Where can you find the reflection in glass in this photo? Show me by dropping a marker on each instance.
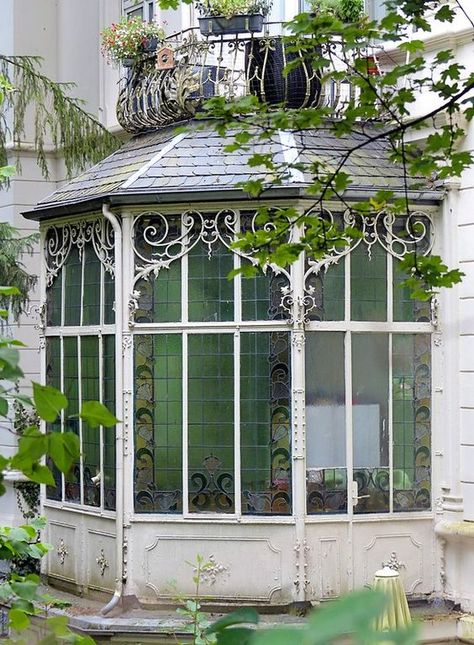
(325, 423)
(210, 292)
(73, 290)
(405, 309)
(369, 283)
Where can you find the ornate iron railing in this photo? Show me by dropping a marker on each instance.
(171, 85)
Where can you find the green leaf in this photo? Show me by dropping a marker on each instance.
(17, 619)
(9, 291)
(246, 615)
(96, 414)
(48, 401)
(236, 636)
(3, 407)
(41, 475)
(64, 449)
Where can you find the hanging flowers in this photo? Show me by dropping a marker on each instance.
(126, 41)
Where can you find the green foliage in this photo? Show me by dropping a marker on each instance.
(345, 10)
(96, 414)
(229, 8)
(126, 38)
(352, 616)
(58, 118)
(12, 269)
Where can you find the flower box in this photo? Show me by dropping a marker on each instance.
(239, 24)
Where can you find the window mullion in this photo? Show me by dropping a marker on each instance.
(83, 262)
(184, 279)
(349, 437)
(347, 288)
(61, 354)
(185, 425)
(101, 428)
(389, 288)
(237, 469)
(238, 282)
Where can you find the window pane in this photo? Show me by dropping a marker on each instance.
(211, 423)
(411, 422)
(405, 309)
(54, 302)
(370, 372)
(71, 390)
(325, 423)
(369, 283)
(72, 291)
(327, 289)
(90, 436)
(92, 279)
(211, 294)
(261, 296)
(109, 298)
(108, 397)
(159, 424)
(265, 423)
(53, 378)
(160, 296)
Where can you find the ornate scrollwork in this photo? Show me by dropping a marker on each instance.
(62, 551)
(61, 239)
(102, 562)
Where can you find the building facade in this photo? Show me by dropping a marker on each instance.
(313, 419)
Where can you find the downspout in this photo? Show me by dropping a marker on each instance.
(119, 501)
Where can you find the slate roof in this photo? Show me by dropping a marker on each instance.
(166, 166)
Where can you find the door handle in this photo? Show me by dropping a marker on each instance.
(355, 494)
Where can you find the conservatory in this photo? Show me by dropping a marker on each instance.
(280, 425)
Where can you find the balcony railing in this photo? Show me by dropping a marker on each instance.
(171, 85)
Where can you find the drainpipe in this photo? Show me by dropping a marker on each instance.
(119, 511)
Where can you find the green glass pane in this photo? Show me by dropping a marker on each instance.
(158, 423)
(327, 289)
(368, 283)
(210, 293)
(261, 296)
(265, 425)
(411, 394)
(92, 280)
(53, 378)
(109, 298)
(211, 423)
(405, 309)
(160, 296)
(72, 291)
(71, 390)
(54, 302)
(90, 391)
(325, 423)
(108, 398)
(370, 378)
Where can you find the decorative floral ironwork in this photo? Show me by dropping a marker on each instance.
(212, 570)
(62, 551)
(394, 563)
(102, 562)
(61, 239)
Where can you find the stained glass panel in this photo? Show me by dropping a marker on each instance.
(405, 309)
(158, 419)
(53, 378)
(71, 390)
(327, 289)
(211, 423)
(261, 296)
(108, 398)
(210, 293)
(325, 423)
(73, 289)
(370, 420)
(109, 298)
(54, 302)
(411, 386)
(92, 287)
(265, 423)
(90, 436)
(368, 283)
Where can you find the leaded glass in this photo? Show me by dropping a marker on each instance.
(109, 298)
(158, 419)
(108, 398)
(411, 387)
(53, 378)
(73, 290)
(211, 422)
(89, 346)
(326, 290)
(54, 302)
(405, 308)
(265, 425)
(210, 292)
(325, 423)
(71, 390)
(160, 296)
(369, 283)
(261, 296)
(370, 421)
(92, 287)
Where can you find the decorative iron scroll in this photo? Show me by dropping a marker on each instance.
(61, 239)
(398, 235)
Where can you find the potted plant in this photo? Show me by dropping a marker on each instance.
(344, 10)
(220, 17)
(128, 40)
